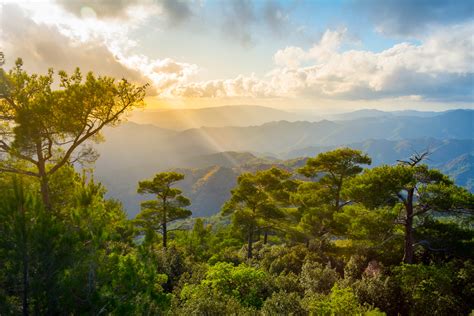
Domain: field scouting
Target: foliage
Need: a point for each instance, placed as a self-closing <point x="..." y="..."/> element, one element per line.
<point x="416" y="189"/>
<point x="169" y="205"/>
<point x="256" y="201"/>
<point x="333" y="168"/>
<point x="246" y="284"/>
<point x="282" y="303"/>
<point x="429" y="289"/>
<point x="319" y="201"/>
<point x="340" y="301"/>
<point x="317" y="278"/>
<point x="45" y="128"/>
<point x="332" y="245"/>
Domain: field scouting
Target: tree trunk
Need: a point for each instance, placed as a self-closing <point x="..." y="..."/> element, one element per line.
<point x="265" y="237"/>
<point x="337" y="202"/>
<point x="25" y="285"/>
<point x="25" y="266"/>
<point x="43" y="177"/>
<point x="249" y="242"/>
<point x="409" y="240"/>
<point x="165" y="223"/>
<point x="165" y="234"/>
<point x="45" y="192"/>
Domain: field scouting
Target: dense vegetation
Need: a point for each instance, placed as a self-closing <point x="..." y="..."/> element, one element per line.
<point x="333" y="238"/>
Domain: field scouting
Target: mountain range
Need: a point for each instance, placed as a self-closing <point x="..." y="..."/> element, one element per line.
<point x="231" y="115"/>
<point x="251" y="115"/>
<point x="212" y="157"/>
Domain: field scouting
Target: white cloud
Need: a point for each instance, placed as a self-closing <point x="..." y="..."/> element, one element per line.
<point x="164" y="73"/>
<point x="45" y="43"/>
<point x="441" y="67"/>
<point x="290" y="56"/>
<point x="43" y="46"/>
<point x="241" y="86"/>
<point x="329" y="44"/>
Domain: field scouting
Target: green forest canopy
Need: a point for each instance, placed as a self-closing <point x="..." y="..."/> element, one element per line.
<point x="332" y="239"/>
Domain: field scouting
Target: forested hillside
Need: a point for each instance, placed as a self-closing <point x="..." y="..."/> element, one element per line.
<point x="236" y="157"/>
<point x="337" y="233"/>
<point x="244" y="115"/>
<point x="116" y="168"/>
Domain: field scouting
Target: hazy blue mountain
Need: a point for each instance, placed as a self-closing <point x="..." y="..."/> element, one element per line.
<point x="372" y="113"/>
<point x="461" y="169"/>
<point x="209" y="178"/>
<point x="132" y="152"/>
<point x="251" y="115"/>
<point x="232" y="115"/>
<point x="283" y="136"/>
<point x="387" y="151"/>
<point x="228" y="159"/>
<point x="210" y="187"/>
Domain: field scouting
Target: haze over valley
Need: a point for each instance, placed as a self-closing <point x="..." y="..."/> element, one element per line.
<point x="213" y="157"/>
<point x="237" y="157"/>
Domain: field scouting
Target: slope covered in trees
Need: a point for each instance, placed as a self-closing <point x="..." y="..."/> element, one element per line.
<point x="322" y="236"/>
<point x="209" y="178"/>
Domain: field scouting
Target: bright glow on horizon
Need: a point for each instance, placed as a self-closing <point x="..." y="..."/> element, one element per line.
<point x="320" y="56"/>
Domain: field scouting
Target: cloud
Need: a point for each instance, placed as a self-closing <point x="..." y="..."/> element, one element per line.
<point x="48" y="47"/>
<point x="440" y="68"/>
<point x="241" y="86"/>
<point x="241" y="19"/>
<point x="412" y="18"/>
<point x="275" y="16"/>
<point x="102" y="9"/>
<point x="164" y="73"/>
<point x="329" y="43"/>
<point x="177" y="11"/>
<point x="290" y="56"/>
<point x="174" y="11"/>
<point x="42" y="46"/>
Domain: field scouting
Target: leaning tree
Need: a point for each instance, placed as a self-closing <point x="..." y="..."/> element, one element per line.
<point x="168" y="206"/>
<point x="257" y="201"/>
<point x="416" y="188"/>
<point x="45" y="125"/>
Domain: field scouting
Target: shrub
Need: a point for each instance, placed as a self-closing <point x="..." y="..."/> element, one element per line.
<point x="249" y="285"/>
<point x="427" y="289"/>
<point x="317" y="278"/>
<point x="283" y="303"/>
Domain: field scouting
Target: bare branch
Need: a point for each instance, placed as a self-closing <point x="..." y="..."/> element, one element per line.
<point x="18" y="171"/>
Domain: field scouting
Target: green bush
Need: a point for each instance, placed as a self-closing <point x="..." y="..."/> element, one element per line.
<point x="317" y="278"/>
<point x="250" y="286"/>
<point x="283" y="303"/>
<point x="341" y="301"/>
<point x="428" y="289"/>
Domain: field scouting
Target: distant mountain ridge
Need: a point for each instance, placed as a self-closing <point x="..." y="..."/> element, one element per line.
<point x="209" y="178"/>
<point x="132" y="152"/>
<point x="281" y="136"/>
<point x="252" y="115"/>
<point x="371" y="113"/>
<point x="231" y="115"/>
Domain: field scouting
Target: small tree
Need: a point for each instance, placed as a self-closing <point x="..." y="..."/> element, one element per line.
<point x="418" y="189"/>
<point x="169" y="205"/>
<point x="333" y="168"/>
<point x="319" y="200"/>
<point x="42" y="129"/>
<point x="257" y="199"/>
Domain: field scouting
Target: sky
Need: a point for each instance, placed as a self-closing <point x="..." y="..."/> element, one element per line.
<point x="323" y="56"/>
